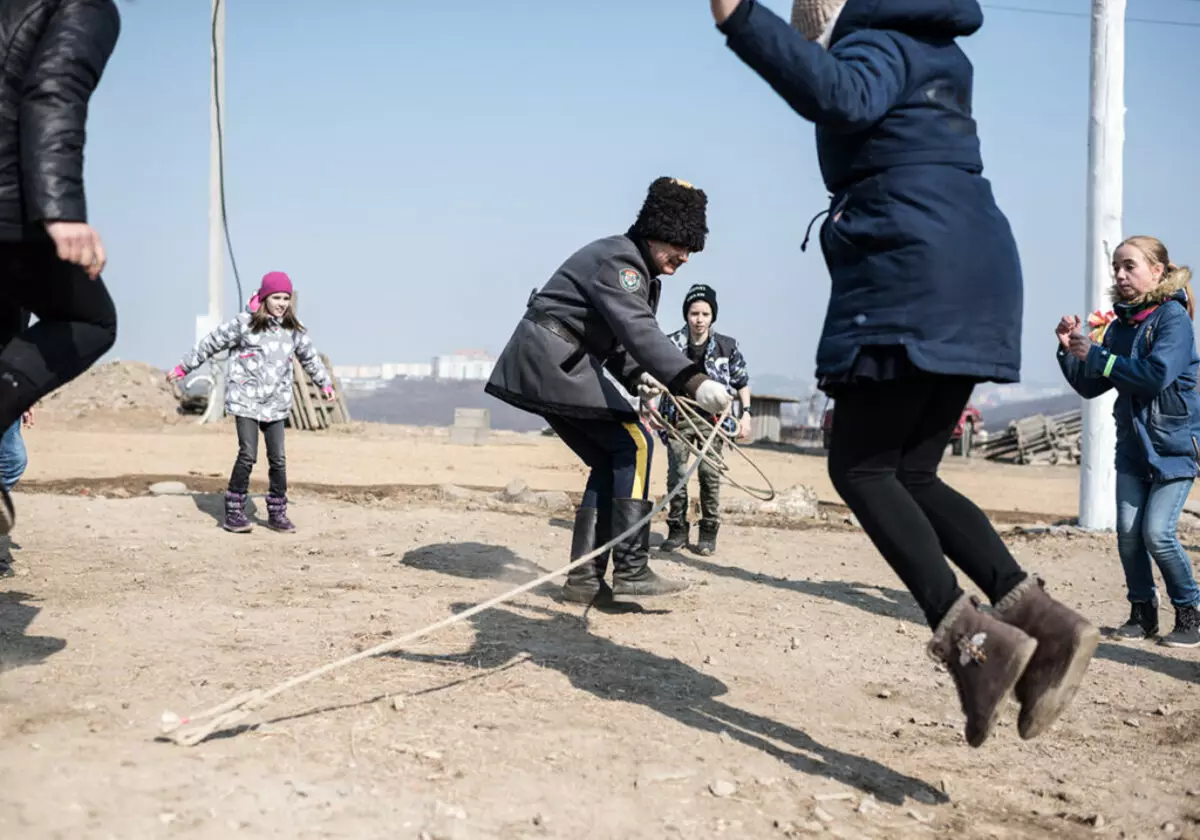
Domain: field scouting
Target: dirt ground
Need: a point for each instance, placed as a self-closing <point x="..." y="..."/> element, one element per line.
<point x="786" y="694"/>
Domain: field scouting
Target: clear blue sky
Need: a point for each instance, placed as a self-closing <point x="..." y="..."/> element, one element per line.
<point x="418" y="167"/>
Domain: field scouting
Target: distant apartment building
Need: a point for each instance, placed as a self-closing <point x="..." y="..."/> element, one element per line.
<point x="462" y="366"/>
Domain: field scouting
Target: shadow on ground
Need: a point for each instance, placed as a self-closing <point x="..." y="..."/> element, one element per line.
<point x="620" y="673"/>
<point x="17" y="648"/>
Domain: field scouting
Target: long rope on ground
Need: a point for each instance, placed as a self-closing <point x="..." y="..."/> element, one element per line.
<point x="192" y="730"/>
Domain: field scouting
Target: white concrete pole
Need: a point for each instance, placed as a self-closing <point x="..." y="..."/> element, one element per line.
<point x="216" y="251"/>
<point x="1106" y="143"/>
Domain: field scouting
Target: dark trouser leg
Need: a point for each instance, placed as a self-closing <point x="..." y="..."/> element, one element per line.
<point x="277" y="502"/>
<point x="710" y="502"/>
<point x="631" y="447"/>
<point x="239" y="478"/>
<point x="273" y="434"/>
<point x="593" y="519"/>
<point x="678" y="456"/>
<point x="864" y="457"/>
<point x="77" y="324"/>
<point x="243" y="466"/>
<point x="964" y="531"/>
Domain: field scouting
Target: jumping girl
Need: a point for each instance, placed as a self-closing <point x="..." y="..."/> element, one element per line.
<point x="926" y="302"/>
<point x="258" y="392"/>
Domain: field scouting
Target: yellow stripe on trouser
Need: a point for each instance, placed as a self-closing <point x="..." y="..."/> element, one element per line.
<point x="641" y="480"/>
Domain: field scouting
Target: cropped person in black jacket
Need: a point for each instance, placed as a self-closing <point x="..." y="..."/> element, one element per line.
<point x="52" y="54"/>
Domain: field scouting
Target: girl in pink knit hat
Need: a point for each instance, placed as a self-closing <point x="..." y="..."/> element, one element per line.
<point x="258" y="394"/>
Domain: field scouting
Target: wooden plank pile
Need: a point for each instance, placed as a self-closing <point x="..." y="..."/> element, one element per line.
<point x="1039" y="439"/>
<point x="309" y="409"/>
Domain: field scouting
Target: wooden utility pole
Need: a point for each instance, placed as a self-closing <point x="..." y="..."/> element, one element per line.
<point x="1106" y="142"/>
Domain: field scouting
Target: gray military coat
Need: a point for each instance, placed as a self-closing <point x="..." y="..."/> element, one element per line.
<point x="596" y="312"/>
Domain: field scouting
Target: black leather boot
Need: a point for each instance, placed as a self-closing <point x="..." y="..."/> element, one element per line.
<point x="707" y="544"/>
<point x="677" y="536"/>
<point x="585" y="584"/>
<point x="632" y="577"/>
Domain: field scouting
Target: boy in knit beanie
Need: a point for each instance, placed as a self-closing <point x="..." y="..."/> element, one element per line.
<point x="722" y="360"/>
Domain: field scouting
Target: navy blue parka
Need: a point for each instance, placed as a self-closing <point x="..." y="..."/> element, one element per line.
<point x="919" y="254"/>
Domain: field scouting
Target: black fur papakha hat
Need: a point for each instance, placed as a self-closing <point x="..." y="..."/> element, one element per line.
<point x="673" y="212"/>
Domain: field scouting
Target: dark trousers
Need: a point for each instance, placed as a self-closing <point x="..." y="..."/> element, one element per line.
<point x="76" y="325"/>
<point x="247" y="431"/>
<point x="618" y="454"/>
<point x="888" y="439"/>
<point x="679" y="454"/>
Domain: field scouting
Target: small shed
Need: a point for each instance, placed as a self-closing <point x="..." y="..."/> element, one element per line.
<point x="766" y="417"/>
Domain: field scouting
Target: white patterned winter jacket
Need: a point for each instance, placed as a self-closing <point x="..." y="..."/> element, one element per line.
<point x="259" y="383"/>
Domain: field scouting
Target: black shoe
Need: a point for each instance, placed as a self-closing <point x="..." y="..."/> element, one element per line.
<point x="8" y="515"/>
<point x="6" y="569"/>
<point x="585" y="584"/>
<point x="632" y="577"/>
<point x="1142" y="623"/>
<point x="708" y="538"/>
<point x="1187" y="629"/>
<point x="677" y="536"/>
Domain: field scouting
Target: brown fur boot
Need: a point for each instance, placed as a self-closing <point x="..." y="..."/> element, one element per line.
<point x="986" y="658"/>
<point x="1066" y="642"/>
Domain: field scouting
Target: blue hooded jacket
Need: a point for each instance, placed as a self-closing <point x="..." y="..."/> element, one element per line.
<point x="1153" y="365"/>
<point x="918" y="252"/>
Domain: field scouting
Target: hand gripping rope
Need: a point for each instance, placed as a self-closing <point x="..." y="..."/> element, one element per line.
<point x="189" y="731"/>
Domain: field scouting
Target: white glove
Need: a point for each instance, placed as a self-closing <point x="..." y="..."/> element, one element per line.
<point x="712" y="396"/>
<point x="648" y="387"/>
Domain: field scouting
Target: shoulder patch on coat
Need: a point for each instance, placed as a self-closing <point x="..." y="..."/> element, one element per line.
<point x="631" y="280"/>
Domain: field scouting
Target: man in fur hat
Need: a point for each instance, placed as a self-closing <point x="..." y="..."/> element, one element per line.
<point x="597" y="314"/>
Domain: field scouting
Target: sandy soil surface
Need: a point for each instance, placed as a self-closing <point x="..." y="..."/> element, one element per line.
<point x="786" y="694"/>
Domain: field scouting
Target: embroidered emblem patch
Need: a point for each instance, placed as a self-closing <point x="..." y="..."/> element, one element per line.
<point x="630" y="279"/>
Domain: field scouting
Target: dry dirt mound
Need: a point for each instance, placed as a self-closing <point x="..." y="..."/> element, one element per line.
<point x="130" y="393"/>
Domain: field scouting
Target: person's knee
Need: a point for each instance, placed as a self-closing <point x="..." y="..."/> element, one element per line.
<point x="100" y="324"/>
<point x="843" y="475"/>
<point x="917" y="479"/>
<point x="1160" y="539"/>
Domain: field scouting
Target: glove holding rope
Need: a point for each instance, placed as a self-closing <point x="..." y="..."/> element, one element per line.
<point x="713" y="397"/>
<point x="649" y="388"/>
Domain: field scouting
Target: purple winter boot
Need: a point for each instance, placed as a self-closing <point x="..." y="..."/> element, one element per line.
<point x="277" y="519"/>
<point x="235" y="513"/>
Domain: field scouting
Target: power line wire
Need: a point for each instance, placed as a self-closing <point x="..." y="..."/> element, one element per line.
<point x="1057" y="13"/>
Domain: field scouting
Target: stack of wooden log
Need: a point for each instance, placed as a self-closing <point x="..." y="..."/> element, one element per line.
<point x="309" y="409"/>
<point x="1039" y="439"/>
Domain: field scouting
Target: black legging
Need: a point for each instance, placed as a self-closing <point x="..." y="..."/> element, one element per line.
<point x="887" y="441"/>
<point x="77" y="324"/>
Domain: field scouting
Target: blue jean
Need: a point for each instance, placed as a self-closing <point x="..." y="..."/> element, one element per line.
<point x="1147" y="517"/>
<point x="12" y="457"/>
